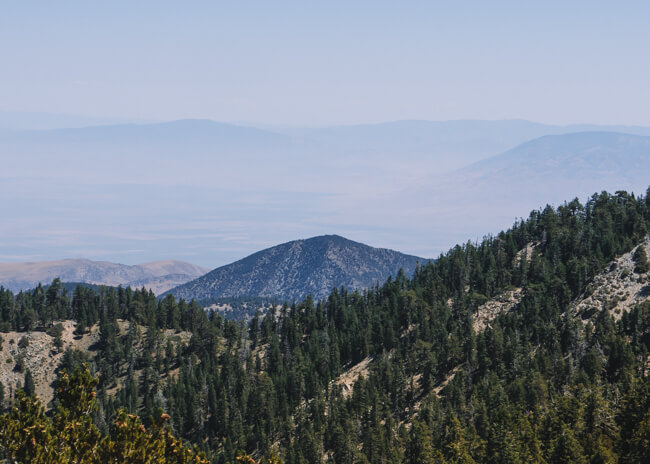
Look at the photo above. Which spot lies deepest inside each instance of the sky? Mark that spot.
(323, 63)
(287, 64)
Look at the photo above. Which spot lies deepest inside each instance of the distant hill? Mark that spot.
(548, 170)
(438, 145)
(292, 270)
(183, 130)
(580, 154)
(157, 276)
(264, 156)
(555, 167)
(156, 152)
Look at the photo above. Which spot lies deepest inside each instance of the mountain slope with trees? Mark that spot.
(537, 381)
(293, 270)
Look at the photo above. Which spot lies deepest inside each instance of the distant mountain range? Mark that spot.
(196, 149)
(157, 276)
(293, 270)
(487, 195)
(213, 192)
(582, 154)
(558, 167)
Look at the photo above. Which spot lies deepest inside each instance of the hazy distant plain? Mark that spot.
(211, 193)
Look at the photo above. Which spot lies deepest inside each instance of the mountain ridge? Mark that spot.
(157, 275)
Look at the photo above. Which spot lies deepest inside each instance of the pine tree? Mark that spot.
(641, 265)
(419, 449)
(28, 385)
(457, 448)
(27, 435)
(567, 449)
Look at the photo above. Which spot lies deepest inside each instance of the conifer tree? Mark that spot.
(27, 435)
(641, 265)
(28, 385)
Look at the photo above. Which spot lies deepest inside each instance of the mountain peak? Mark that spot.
(295, 269)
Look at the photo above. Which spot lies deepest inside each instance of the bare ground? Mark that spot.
(618, 288)
(350, 377)
(40, 356)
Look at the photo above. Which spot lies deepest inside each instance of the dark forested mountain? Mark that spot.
(293, 270)
(158, 275)
(531, 346)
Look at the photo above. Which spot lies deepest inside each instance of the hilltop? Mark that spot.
(293, 270)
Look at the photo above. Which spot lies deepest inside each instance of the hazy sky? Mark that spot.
(284, 62)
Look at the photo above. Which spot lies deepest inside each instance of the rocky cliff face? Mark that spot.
(296, 269)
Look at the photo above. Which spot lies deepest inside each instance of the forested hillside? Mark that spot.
(481, 357)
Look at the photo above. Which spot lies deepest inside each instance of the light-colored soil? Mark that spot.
(41, 357)
(618, 289)
(500, 304)
(223, 308)
(527, 251)
(448, 379)
(350, 377)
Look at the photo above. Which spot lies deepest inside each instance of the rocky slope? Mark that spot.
(618, 288)
(295, 269)
(157, 276)
(37, 352)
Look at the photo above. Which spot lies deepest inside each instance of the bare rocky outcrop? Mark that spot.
(347, 380)
(618, 288)
(500, 304)
(39, 354)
